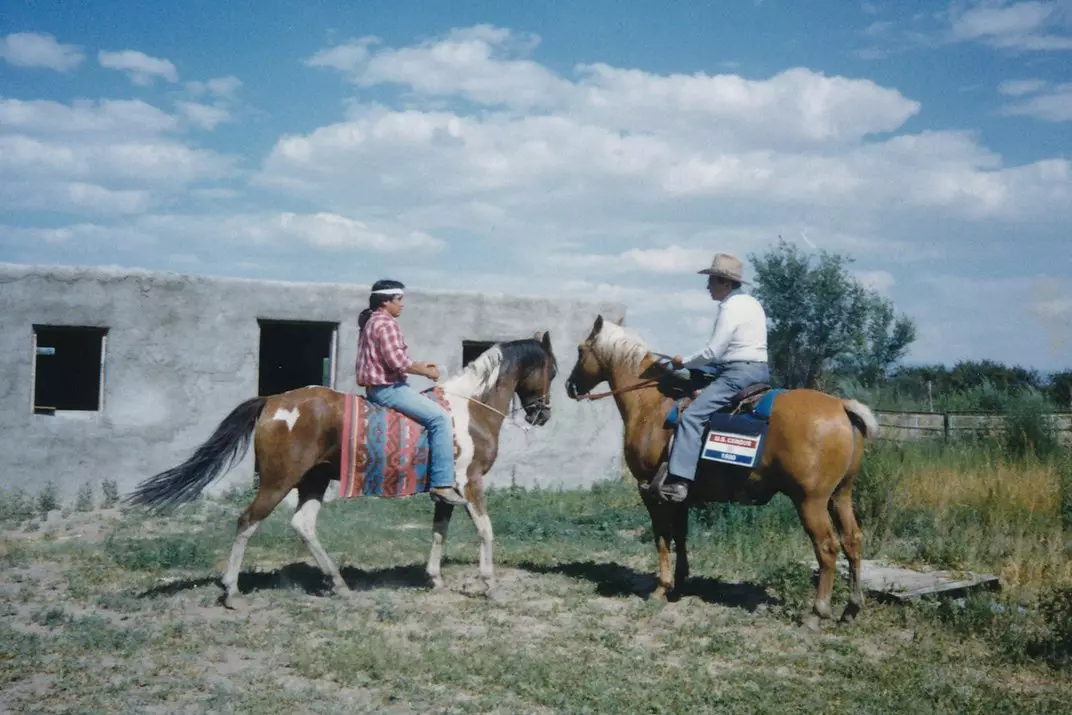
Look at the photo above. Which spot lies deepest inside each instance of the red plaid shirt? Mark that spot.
(381, 352)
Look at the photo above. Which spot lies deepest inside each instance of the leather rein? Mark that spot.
(639, 386)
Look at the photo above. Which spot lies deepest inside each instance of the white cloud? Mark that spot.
(140, 67)
(221, 87)
(1033, 25)
(35, 49)
(487, 65)
(264, 230)
(879, 281)
(669, 260)
(84, 117)
(108, 156)
(204, 115)
(1054, 104)
(1018, 87)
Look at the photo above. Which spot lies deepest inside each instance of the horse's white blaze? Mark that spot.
(288, 416)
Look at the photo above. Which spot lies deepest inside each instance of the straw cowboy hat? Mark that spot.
(725, 266)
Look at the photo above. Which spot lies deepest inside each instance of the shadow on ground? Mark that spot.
(617, 580)
(305, 577)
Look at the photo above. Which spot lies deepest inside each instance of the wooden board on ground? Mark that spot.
(886, 581)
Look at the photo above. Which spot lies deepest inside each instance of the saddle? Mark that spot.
(683, 390)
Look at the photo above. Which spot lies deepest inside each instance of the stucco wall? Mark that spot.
(182, 351)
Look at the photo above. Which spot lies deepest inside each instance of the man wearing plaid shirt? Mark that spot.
(382, 366)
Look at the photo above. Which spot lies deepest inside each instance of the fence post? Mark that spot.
(945, 426)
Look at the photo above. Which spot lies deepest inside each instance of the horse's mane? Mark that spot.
(510, 356)
(618, 346)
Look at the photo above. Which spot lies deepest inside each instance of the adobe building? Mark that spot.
(119, 374)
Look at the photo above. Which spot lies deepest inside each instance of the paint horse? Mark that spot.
(812, 451)
(297, 440)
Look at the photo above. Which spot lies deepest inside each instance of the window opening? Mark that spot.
(296, 354)
(68, 368)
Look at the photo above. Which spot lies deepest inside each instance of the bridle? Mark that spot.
(642, 385)
(544, 402)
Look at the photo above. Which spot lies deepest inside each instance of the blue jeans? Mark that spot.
(428, 414)
(692, 422)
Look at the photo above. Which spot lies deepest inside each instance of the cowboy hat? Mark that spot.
(725, 266)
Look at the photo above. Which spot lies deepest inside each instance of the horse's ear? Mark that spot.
(620, 321)
(598, 324)
(538, 336)
(546, 341)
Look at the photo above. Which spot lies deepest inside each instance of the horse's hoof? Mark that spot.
(849, 614)
(435, 582)
(343, 592)
(811, 623)
(659, 594)
(235, 603)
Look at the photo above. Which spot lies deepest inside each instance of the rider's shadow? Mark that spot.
(615, 581)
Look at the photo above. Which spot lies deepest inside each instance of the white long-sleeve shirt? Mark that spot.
(739, 333)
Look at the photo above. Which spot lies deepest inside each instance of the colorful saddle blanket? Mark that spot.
(736, 439)
(384, 453)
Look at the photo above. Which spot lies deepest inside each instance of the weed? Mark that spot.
(47, 499)
(109, 493)
(16, 506)
(84, 499)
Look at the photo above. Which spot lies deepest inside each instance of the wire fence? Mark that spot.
(902, 425)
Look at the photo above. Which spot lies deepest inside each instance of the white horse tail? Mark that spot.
(864, 418)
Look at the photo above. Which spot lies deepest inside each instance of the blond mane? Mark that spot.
(618, 346)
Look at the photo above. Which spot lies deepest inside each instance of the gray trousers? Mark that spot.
(733, 378)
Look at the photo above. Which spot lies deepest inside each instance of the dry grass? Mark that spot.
(1005, 485)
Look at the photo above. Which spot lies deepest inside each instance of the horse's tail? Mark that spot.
(862, 418)
(184, 483)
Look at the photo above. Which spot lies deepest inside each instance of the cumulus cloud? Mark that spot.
(107, 156)
(35, 49)
(140, 67)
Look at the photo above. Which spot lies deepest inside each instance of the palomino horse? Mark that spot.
(814, 446)
(297, 444)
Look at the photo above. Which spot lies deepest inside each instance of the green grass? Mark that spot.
(132, 622)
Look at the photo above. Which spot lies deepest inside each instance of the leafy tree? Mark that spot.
(823, 320)
(1059, 389)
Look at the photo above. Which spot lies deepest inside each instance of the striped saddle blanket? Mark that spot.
(384, 453)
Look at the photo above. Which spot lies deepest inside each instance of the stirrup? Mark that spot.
(655, 487)
(455, 498)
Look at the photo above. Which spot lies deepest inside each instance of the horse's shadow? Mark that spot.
(305, 577)
(616, 580)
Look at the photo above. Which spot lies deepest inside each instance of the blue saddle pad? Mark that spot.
(761, 410)
(736, 439)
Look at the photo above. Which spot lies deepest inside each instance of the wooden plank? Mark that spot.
(888, 582)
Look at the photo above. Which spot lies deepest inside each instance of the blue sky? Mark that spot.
(593, 149)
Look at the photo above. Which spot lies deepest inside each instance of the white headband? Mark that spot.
(387, 291)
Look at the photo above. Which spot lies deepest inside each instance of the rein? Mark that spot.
(639, 386)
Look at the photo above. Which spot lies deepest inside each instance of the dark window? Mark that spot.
(295, 354)
(68, 368)
(472, 349)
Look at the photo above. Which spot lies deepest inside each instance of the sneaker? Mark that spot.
(448, 495)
